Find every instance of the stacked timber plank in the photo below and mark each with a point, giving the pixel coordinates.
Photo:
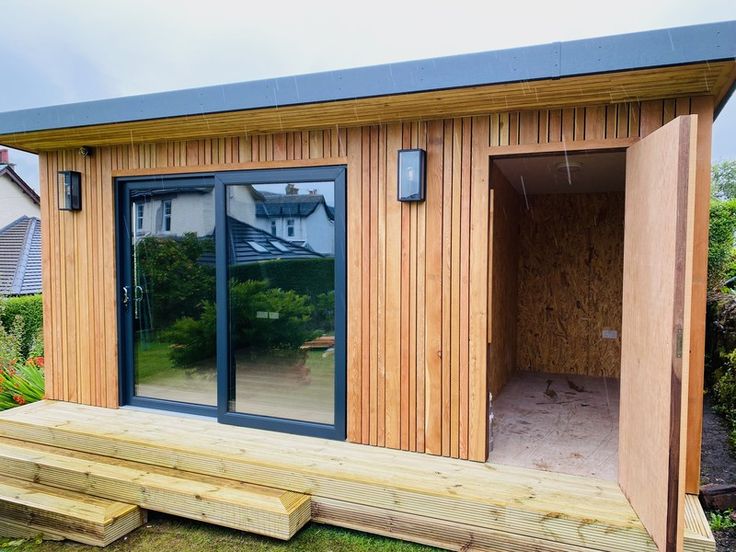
(29, 509)
(234, 504)
(446, 502)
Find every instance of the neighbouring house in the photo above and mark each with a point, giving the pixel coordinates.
(17, 198)
(304, 219)
(20, 257)
(508, 357)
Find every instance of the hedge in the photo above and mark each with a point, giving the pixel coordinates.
(305, 276)
(30, 308)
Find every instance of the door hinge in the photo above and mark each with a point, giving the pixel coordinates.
(678, 342)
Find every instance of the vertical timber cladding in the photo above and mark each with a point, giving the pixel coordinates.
(417, 273)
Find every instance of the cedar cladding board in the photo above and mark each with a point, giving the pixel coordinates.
(416, 341)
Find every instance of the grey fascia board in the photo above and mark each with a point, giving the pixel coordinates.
(678, 46)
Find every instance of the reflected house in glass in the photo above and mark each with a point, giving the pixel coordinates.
(302, 218)
(279, 254)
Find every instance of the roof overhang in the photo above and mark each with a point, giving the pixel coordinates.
(670, 63)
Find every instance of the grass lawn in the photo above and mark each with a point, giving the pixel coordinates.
(165, 533)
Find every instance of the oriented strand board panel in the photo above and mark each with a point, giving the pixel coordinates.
(503, 282)
(570, 281)
(660, 173)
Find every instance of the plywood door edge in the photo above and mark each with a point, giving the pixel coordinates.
(682, 315)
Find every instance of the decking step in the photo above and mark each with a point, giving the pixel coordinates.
(31, 509)
(698, 536)
(253, 508)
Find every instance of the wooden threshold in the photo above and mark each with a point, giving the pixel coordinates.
(444, 502)
(29, 509)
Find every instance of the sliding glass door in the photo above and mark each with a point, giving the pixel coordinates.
(233, 296)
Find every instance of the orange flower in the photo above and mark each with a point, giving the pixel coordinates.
(19, 399)
(37, 361)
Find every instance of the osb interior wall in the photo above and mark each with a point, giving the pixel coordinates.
(570, 283)
(503, 287)
(417, 298)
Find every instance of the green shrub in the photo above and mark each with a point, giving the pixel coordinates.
(724, 397)
(261, 318)
(721, 521)
(30, 309)
(175, 282)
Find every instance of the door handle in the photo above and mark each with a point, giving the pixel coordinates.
(137, 297)
(126, 299)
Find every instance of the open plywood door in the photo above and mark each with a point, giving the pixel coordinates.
(660, 182)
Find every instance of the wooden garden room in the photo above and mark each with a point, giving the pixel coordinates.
(257, 315)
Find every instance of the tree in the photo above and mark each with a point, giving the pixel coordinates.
(721, 254)
(723, 180)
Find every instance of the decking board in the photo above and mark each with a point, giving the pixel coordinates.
(29, 509)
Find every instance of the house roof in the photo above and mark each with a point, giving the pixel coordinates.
(701, 45)
(7, 170)
(253, 245)
(20, 257)
(289, 205)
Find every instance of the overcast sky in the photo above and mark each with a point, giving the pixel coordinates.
(55, 52)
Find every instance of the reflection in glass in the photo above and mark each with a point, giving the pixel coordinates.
(281, 246)
(172, 300)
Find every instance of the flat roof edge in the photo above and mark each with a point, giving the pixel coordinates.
(633, 51)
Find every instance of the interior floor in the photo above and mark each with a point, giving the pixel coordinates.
(558, 422)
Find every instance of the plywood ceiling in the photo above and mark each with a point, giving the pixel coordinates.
(547, 174)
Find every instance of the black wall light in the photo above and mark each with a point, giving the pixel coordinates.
(69, 188)
(411, 181)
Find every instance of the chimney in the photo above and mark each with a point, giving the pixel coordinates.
(291, 189)
(4, 157)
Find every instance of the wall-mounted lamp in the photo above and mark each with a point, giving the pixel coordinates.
(69, 188)
(411, 175)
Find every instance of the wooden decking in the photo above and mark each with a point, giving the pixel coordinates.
(445, 502)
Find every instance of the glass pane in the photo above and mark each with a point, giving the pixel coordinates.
(173, 295)
(281, 247)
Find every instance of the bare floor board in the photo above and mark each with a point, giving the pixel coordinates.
(558, 423)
